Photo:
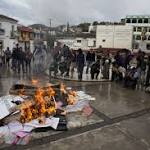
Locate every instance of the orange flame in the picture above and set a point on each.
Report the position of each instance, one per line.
(44, 103)
(63, 88)
(34, 82)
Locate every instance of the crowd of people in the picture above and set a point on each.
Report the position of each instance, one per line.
(66, 60)
(18, 60)
(126, 67)
(133, 70)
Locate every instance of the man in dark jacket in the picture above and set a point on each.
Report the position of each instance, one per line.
(7, 56)
(88, 61)
(21, 60)
(80, 64)
(95, 69)
(148, 73)
(66, 53)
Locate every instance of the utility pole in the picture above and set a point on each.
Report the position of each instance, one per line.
(50, 23)
(50, 27)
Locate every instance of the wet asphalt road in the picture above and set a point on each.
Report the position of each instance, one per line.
(126, 115)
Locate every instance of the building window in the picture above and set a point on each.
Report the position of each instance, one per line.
(128, 21)
(136, 46)
(134, 29)
(148, 46)
(140, 21)
(134, 21)
(12, 28)
(78, 41)
(145, 20)
(144, 29)
(103, 40)
(0, 25)
(139, 29)
(134, 37)
(144, 37)
(94, 43)
(138, 37)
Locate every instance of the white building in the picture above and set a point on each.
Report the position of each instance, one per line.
(114, 36)
(76, 43)
(8, 32)
(141, 34)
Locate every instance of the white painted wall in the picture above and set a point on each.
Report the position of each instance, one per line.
(114, 36)
(86, 43)
(7, 41)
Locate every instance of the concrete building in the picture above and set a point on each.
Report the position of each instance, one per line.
(114, 36)
(141, 28)
(76, 43)
(8, 32)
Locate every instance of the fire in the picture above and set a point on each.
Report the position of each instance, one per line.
(39, 107)
(43, 103)
(62, 88)
(34, 82)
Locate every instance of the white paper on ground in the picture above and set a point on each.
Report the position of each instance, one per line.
(52, 122)
(15, 127)
(77, 107)
(4, 130)
(6, 104)
(27, 128)
(81, 95)
(4, 110)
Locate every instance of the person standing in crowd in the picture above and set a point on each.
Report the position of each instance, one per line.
(14, 59)
(80, 64)
(28, 58)
(21, 60)
(106, 68)
(73, 62)
(95, 69)
(3, 58)
(141, 61)
(8, 56)
(1, 63)
(148, 72)
(66, 53)
(88, 61)
(93, 56)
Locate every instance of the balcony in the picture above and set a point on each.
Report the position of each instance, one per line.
(2, 31)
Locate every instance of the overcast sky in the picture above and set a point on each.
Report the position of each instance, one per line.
(72, 11)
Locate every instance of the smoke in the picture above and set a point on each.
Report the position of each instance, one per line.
(42, 60)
